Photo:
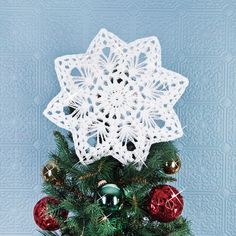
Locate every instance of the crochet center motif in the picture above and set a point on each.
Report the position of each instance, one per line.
(116, 99)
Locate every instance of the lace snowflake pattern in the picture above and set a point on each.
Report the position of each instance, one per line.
(117, 99)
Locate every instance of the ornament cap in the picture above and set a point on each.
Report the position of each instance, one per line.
(101, 183)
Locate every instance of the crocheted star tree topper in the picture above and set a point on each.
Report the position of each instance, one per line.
(117, 99)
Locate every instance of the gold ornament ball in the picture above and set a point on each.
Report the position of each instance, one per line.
(172, 166)
(50, 173)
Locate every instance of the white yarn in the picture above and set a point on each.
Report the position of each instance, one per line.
(121, 99)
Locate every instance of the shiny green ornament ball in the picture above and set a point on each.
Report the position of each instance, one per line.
(110, 197)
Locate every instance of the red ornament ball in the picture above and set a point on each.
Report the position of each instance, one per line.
(165, 203)
(44, 220)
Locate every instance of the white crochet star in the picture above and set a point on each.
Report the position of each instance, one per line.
(117, 99)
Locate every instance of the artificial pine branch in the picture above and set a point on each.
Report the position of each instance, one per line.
(77, 194)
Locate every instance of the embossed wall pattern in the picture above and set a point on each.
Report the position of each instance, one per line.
(198, 41)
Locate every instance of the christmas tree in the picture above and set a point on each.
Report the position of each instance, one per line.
(109, 176)
(107, 198)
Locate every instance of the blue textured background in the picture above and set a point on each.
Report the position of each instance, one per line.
(197, 39)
